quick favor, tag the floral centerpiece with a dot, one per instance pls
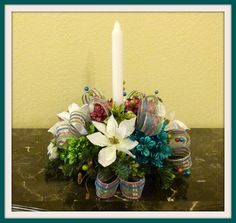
(118, 144)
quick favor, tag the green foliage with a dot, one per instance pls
(119, 112)
(167, 177)
(67, 169)
(79, 151)
(127, 168)
(90, 128)
(76, 152)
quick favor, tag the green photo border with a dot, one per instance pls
(2, 120)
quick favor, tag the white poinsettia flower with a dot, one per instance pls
(175, 124)
(113, 137)
(52, 151)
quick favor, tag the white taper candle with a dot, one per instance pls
(117, 64)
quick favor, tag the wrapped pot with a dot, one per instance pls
(132, 189)
(106, 185)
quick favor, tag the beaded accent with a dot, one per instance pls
(177, 138)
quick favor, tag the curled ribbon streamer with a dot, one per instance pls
(134, 93)
(91, 94)
(184, 160)
(148, 120)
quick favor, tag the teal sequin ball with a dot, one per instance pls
(86, 88)
(187, 172)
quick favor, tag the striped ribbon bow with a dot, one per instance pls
(71, 123)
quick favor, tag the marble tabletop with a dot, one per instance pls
(202, 191)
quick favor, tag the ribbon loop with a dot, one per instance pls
(149, 121)
(88, 96)
(62, 134)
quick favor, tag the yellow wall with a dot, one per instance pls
(56, 54)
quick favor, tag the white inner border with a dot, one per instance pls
(9, 9)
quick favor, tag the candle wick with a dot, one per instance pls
(117, 25)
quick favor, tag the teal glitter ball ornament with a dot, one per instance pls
(86, 88)
(187, 172)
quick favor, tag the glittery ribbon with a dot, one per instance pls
(184, 161)
(63, 133)
(88, 96)
(134, 94)
(75, 126)
(77, 122)
(148, 120)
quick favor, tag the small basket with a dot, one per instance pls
(104, 188)
(184, 161)
(132, 190)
